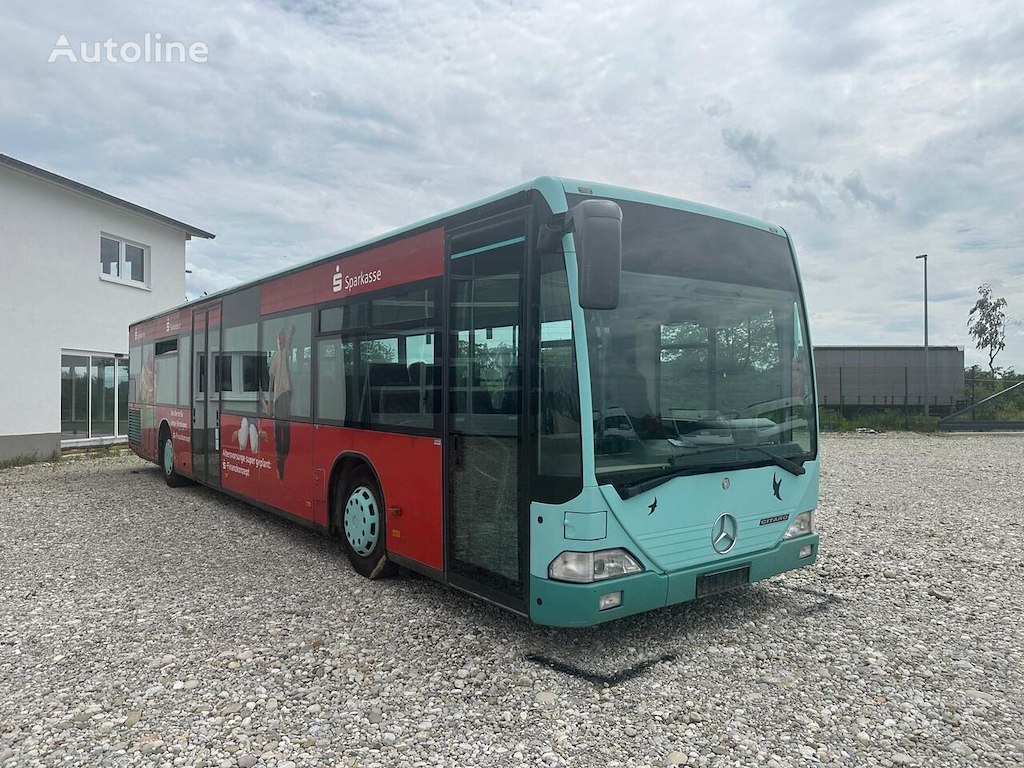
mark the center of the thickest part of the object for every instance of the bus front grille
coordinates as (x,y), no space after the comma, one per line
(134,426)
(722,581)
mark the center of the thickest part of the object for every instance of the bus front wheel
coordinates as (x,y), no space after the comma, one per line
(360,525)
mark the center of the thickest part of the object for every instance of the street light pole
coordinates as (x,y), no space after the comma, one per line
(925,257)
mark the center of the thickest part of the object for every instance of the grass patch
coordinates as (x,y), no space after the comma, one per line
(71,454)
(96,451)
(889,420)
(27,459)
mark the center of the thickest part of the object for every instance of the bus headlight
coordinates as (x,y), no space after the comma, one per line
(802,525)
(588,567)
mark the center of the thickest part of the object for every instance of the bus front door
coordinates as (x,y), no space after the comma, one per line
(206,395)
(486,543)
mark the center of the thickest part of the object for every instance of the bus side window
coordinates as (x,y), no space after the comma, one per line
(387,383)
(334,368)
(290,336)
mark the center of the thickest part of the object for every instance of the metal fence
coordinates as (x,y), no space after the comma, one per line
(859,379)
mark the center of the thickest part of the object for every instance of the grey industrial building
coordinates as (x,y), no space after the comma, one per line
(864,378)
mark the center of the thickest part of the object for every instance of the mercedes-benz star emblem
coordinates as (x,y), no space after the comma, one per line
(723,533)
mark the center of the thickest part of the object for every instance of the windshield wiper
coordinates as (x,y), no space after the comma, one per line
(793,467)
(628,490)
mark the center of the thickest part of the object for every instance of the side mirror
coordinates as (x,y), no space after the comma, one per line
(596,226)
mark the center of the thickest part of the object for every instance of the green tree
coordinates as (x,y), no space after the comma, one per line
(987,324)
(378,351)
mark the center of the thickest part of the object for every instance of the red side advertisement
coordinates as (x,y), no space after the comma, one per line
(270,460)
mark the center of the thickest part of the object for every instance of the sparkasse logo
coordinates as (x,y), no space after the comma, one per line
(342,282)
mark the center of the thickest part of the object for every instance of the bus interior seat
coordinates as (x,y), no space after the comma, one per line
(481,394)
(560,407)
(510,395)
(427,377)
(382,380)
(627,389)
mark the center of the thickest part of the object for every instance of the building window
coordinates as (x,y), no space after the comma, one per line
(94,396)
(124,261)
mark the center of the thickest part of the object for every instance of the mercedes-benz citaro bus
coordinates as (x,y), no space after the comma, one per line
(573,400)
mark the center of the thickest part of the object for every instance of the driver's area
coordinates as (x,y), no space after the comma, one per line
(683,369)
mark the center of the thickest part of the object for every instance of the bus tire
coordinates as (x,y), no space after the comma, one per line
(360,524)
(171,476)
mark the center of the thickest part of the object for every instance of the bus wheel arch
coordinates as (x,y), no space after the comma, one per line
(357,516)
(165,456)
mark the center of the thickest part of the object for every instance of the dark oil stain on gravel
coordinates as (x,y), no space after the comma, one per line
(725,609)
(826,602)
(599,678)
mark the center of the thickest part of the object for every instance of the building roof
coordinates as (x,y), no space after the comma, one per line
(851,347)
(103,197)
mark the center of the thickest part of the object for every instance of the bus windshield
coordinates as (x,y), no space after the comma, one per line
(704,364)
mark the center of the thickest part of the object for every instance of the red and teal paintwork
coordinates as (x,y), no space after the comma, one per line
(673,543)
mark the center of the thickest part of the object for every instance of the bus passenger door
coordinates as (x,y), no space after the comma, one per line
(206,395)
(485,532)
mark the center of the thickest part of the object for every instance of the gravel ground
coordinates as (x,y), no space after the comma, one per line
(141,625)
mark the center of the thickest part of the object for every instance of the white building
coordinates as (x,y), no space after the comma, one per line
(76,267)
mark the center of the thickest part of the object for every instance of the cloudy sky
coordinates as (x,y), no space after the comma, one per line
(872,130)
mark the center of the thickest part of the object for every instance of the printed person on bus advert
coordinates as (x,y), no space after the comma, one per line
(249,434)
(280,405)
(147,381)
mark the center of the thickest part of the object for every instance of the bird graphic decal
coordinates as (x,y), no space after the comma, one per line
(653,506)
(777,487)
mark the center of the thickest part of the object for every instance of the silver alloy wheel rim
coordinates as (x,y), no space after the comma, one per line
(168,457)
(362,521)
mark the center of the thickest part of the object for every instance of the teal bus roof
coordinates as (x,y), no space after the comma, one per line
(590,189)
(554,191)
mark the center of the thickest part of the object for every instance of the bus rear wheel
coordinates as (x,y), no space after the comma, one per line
(360,524)
(167,460)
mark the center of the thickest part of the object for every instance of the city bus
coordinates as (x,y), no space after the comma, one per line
(572,400)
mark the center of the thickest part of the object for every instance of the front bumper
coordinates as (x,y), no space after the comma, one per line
(560,604)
